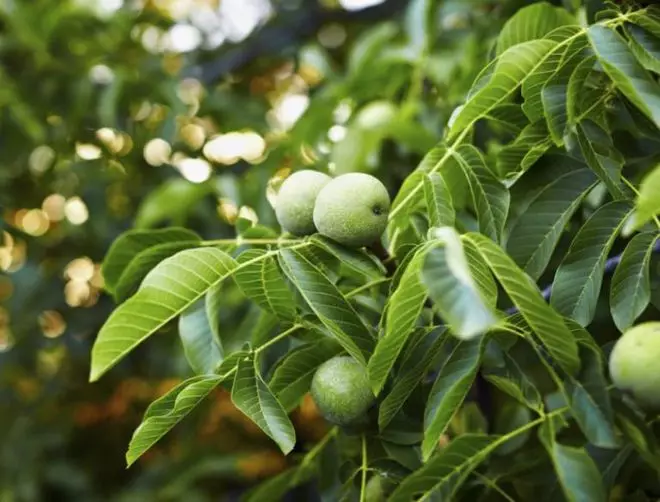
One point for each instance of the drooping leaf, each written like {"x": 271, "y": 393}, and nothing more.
{"x": 601, "y": 156}
{"x": 120, "y": 264}
{"x": 404, "y": 307}
{"x": 531, "y": 23}
{"x": 544, "y": 321}
{"x": 630, "y": 291}
{"x": 203, "y": 350}
{"x": 414, "y": 363}
{"x": 579, "y": 278}
{"x": 535, "y": 235}
{"x": 645, "y": 46}
{"x": 251, "y": 395}
{"x": 626, "y": 72}
{"x": 169, "y": 289}
{"x": 647, "y": 204}
{"x": 167, "y": 411}
{"x": 576, "y": 471}
{"x": 517, "y": 157}
{"x": 490, "y": 197}
{"x": 262, "y": 282}
{"x": 293, "y": 374}
{"x": 356, "y": 260}
{"x": 447, "y": 277}
{"x": 447, "y": 470}
{"x": 511, "y": 377}
{"x": 449, "y": 390}
{"x": 512, "y": 67}
{"x": 329, "y": 305}
{"x": 566, "y": 55}
{"x": 438, "y": 201}
{"x": 587, "y": 394}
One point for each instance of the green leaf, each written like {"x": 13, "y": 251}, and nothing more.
{"x": 601, "y": 156}
{"x": 447, "y": 469}
{"x": 512, "y": 377}
{"x": 169, "y": 289}
{"x": 625, "y": 71}
{"x": 203, "y": 350}
{"x": 172, "y": 200}
{"x": 356, "y": 260}
{"x": 579, "y": 278}
{"x": 294, "y": 372}
{"x": 406, "y": 201}
{"x": 587, "y": 394}
{"x": 251, "y": 395}
{"x": 132, "y": 246}
{"x": 517, "y": 157}
{"x": 489, "y": 197}
{"x": 512, "y": 67}
{"x": 647, "y": 205}
{"x": 447, "y": 277}
{"x": 449, "y": 390}
{"x": 534, "y": 236}
{"x": 543, "y": 320}
{"x": 403, "y": 309}
{"x": 167, "y": 411}
{"x": 630, "y": 291}
{"x": 576, "y": 471}
{"x": 645, "y": 46}
{"x": 262, "y": 282}
{"x": 568, "y": 53}
{"x": 584, "y": 97}
{"x": 329, "y": 305}
{"x": 425, "y": 346}
{"x": 531, "y": 23}
{"x": 438, "y": 201}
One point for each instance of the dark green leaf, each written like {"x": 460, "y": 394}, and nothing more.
{"x": 630, "y": 291}
{"x": 329, "y": 305}
{"x": 579, "y": 278}
{"x": 449, "y": 390}
{"x": 251, "y": 395}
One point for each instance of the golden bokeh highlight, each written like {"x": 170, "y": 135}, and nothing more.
{"x": 35, "y": 222}
{"x": 194, "y": 135}
{"x": 227, "y": 210}
{"x": 52, "y": 324}
{"x": 157, "y": 152}
{"x": 41, "y": 159}
{"x": 53, "y": 207}
{"x": 6, "y": 337}
{"x": 84, "y": 282}
{"x": 233, "y": 146}
{"x": 88, "y": 151}
{"x": 76, "y": 211}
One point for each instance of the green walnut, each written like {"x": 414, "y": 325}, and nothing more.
{"x": 634, "y": 364}
{"x": 294, "y": 207}
{"x": 352, "y": 209}
{"x": 340, "y": 389}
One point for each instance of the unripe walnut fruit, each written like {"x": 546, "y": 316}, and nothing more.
{"x": 341, "y": 391}
{"x": 352, "y": 209}
{"x": 634, "y": 364}
{"x": 294, "y": 208}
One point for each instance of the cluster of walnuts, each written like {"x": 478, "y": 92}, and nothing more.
{"x": 351, "y": 209}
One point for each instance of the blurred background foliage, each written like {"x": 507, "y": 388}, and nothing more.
{"x": 145, "y": 113}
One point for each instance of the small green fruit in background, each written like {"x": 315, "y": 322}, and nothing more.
{"x": 352, "y": 209}
{"x": 634, "y": 364}
{"x": 295, "y": 201}
{"x": 340, "y": 389}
